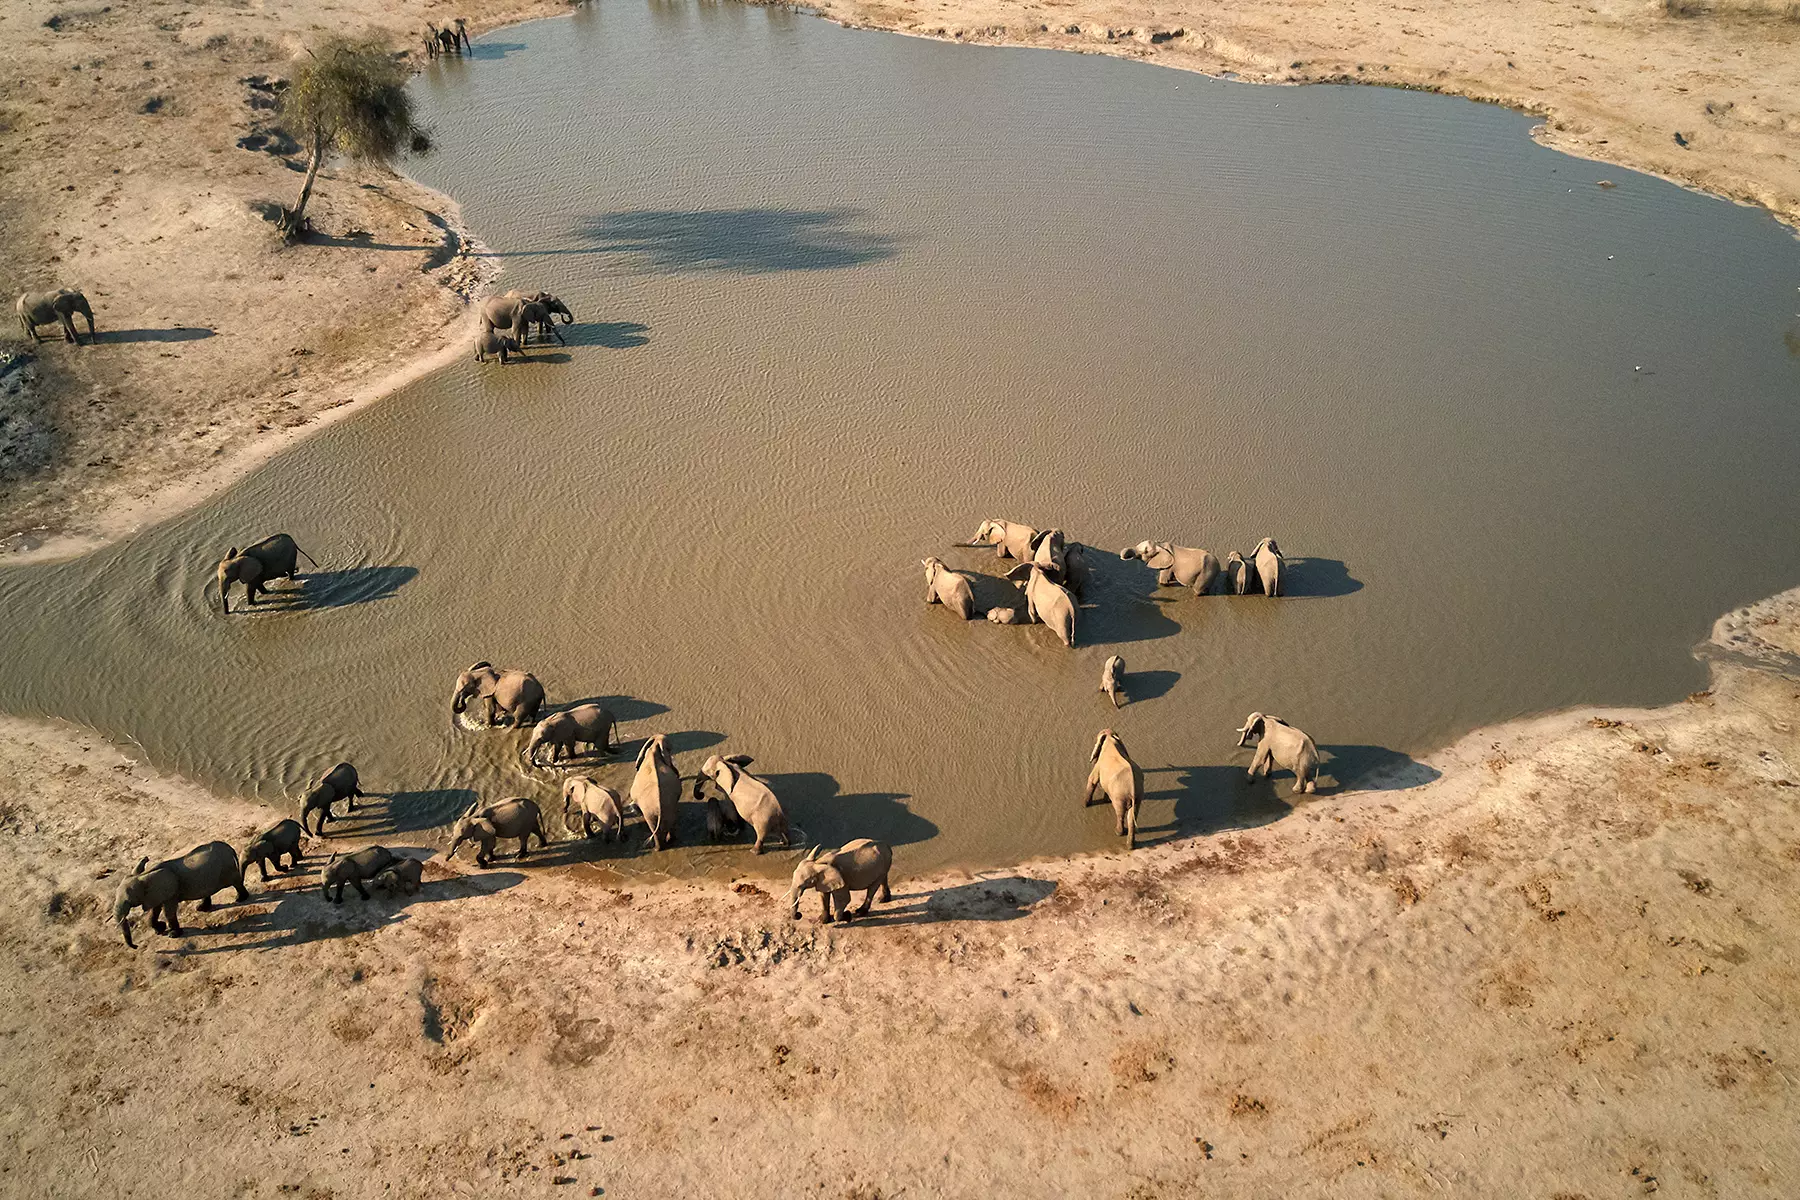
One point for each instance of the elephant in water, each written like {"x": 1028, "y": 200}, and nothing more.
{"x": 1269, "y": 565}
{"x": 744, "y": 798}
{"x": 947, "y": 587}
{"x": 517, "y": 693}
{"x": 270, "y": 559}
{"x": 1181, "y": 566}
{"x": 1112, "y": 679}
{"x": 516, "y": 818}
{"x": 862, "y": 865}
{"x": 552, "y": 307}
{"x": 47, "y": 308}
{"x": 584, "y": 725}
{"x": 656, "y": 790}
{"x": 1008, "y": 538}
{"x": 1008, "y": 616}
{"x": 1048, "y": 550}
{"x": 1283, "y": 746}
{"x": 490, "y": 341}
{"x": 587, "y": 804}
{"x": 1047, "y": 601}
{"x": 1116, "y": 778}
{"x": 1241, "y": 574}
{"x": 159, "y": 890}
{"x": 513, "y": 316}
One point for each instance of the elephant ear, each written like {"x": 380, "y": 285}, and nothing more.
{"x": 142, "y": 863}
{"x": 740, "y": 760}
{"x": 1022, "y": 571}
{"x": 831, "y": 879}
{"x": 649, "y": 744}
{"x": 813, "y": 854}
{"x": 1098, "y": 743}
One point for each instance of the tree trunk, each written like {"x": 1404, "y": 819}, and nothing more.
{"x": 292, "y": 223}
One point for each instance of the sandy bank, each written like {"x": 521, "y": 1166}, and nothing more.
{"x": 1566, "y": 967}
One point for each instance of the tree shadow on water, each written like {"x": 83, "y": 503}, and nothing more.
{"x": 743, "y": 241}
{"x": 823, "y": 815}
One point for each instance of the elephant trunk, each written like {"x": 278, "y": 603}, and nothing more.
{"x": 122, "y": 914}
{"x": 224, "y": 591}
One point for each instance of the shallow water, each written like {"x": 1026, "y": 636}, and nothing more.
{"x": 844, "y": 294}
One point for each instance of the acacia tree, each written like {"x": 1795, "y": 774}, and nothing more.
{"x": 348, "y": 97}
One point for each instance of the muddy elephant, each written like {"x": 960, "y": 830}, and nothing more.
{"x": 516, "y": 818}
{"x": 584, "y": 725}
{"x": 1008, "y": 538}
{"x": 1240, "y": 575}
{"x": 1114, "y": 777}
{"x": 1176, "y": 566}
{"x": 860, "y": 866}
{"x": 404, "y": 878}
{"x": 339, "y": 783}
{"x": 552, "y": 307}
{"x": 589, "y": 807}
{"x": 1281, "y": 745}
{"x": 159, "y": 890}
{"x": 273, "y": 558}
{"x": 354, "y": 869}
{"x": 744, "y": 797}
{"x": 1112, "y": 679}
{"x": 492, "y": 343}
{"x": 48, "y": 308}
{"x": 656, "y": 790}
{"x": 501, "y": 689}
{"x": 283, "y": 837}
{"x": 949, "y": 588}
{"x": 1269, "y": 566}
{"x": 1046, "y": 600}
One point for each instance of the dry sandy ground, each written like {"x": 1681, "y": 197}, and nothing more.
{"x": 1566, "y": 968}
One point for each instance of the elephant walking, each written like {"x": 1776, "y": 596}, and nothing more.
{"x": 516, "y": 818}
{"x": 1047, "y": 601}
{"x": 744, "y": 797}
{"x": 354, "y": 869}
{"x": 552, "y": 307}
{"x": 283, "y": 837}
{"x": 587, "y": 804}
{"x": 862, "y": 865}
{"x": 159, "y": 890}
{"x": 339, "y": 783}
{"x": 1116, "y": 778}
{"x": 509, "y": 690}
{"x": 1281, "y": 745}
{"x": 1008, "y": 538}
{"x": 656, "y": 790}
{"x": 48, "y": 308}
{"x": 273, "y": 558}
{"x": 1112, "y": 679}
{"x": 584, "y": 725}
{"x": 1182, "y": 566}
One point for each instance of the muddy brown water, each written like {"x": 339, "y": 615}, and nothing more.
{"x": 844, "y": 294}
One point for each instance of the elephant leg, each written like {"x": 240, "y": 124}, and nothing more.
{"x": 491, "y": 708}
{"x": 243, "y": 893}
{"x": 1259, "y": 765}
{"x": 262, "y": 864}
{"x": 174, "y": 916}
{"x": 868, "y": 902}
{"x": 206, "y": 904}
{"x": 360, "y": 889}
{"x": 758, "y": 847}
{"x": 1165, "y": 577}
{"x": 1131, "y": 827}
{"x": 156, "y": 921}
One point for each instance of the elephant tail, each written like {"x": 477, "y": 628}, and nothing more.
{"x": 307, "y": 557}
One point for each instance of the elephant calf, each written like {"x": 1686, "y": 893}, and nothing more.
{"x": 590, "y": 806}
{"x": 1007, "y": 616}
{"x": 516, "y": 818}
{"x": 862, "y": 865}
{"x": 949, "y": 588}
{"x": 284, "y": 837}
{"x": 339, "y": 783}
{"x": 366, "y": 863}
{"x": 1116, "y": 778}
{"x": 48, "y": 308}
{"x": 273, "y": 558}
{"x": 490, "y": 341}
{"x": 1241, "y": 575}
{"x": 1112, "y": 679}
{"x": 1283, "y": 746}
{"x": 403, "y": 878}
{"x": 159, "y": 890}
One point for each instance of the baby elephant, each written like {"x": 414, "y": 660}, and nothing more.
{"x": 861, "y": 865}
{"x": 1112, "y": 678}
{"x": 366, "y": 863}
{"x": 491, "y": 341}
{"x": 949, "y": 588}
{"x": 284, "y": 837}
{"x": 589, "y": 807}
{"x": 743, "y": 797}
{"x": 1116, "y": 778}
{"x": 515, "y": 818}
{"x": 339, "y": 783}
{"x": 47, "y": 308}
{"x": 160, "y": 890}
{"x": 404, "y": 878}
{"x": 1283, "y": 746}
{"x": 1008, "y": 616}
{"x": 1240, "y": 575}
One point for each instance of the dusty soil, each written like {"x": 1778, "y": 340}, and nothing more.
{"x": 1565, "y": 968}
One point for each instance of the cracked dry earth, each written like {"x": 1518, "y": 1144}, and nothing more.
{"x": 1565, "y": 968}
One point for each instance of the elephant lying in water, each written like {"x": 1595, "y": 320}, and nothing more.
{"x": 159, "y": 890}
{"x": 515, "y": 818}
{"x": 276, "y": 557}
{"x": 949, "y": 588}
{"x": 47, "y": 308}
{"x": 1182, "y": 566}
{"x": 1116, "y": 778}
{"x": 584, "y": 725}
{"x": 744, "y": 797}
{"x": 862, "y": 865}
{"x": 515, "y": 692}
{"x": 1283, "y": 746}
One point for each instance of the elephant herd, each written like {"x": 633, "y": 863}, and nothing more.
{"x": 446, "y": 40}
{"x": 507, "y": 323}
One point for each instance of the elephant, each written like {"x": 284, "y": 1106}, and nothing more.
{"x": 514, "y": 315}
{"x": 283, "y": 837}
{"x": 1181, "y": 566}
{"x": 587, "y": 804}
{"x": 339, "y": 783}
{"x": 1048, "y": 550}
{"x": 1008, "y": 616}
{"x": 46, "y": 308}
{"x": 584, "y": 725}
{"x": 744, "y": 798}
{"x": 947, "y": 587}
{"x": 273, "y": 558}
{"x": 1077, "y": 573}
{"x": 1281, "y": 745}
{"x": 552, "y": 307}
{"x": 515, "y": 818}
{"x": 405, "y": 877}
{"x": 1269, "y": 565}
{"x": 159, "y": 890}
{"x": 1008, "y": 538}
{"x": 656, "y": 790}
{"x": 1116, "y": 778}
{"x": 490, "y": 341}
{"x": 861, "y": 865}
{"x": 1242, "y": 575}
{"x": 515, "y": 692}
{"x": 1112, "y": 678}
{"x": 718, "y": 825}
{"x": 446, "y": 40}
{"x": 1047, "y": 601}
{"x": 366, "y": 863}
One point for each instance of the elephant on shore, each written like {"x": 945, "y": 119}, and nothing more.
{"x": 861, "y": 865}
{"x": 516, "y": 818}
{"x": 1047, "y": 601}
{"x": 1269, "y": 566}
{"x": 283, "y": 837}
{"x": 1241, "y": 575}
{"x": 1008, "y": 538}
{"x": 656, "y": 790}
{"x": 403, "y": 878}
{"x": 1281, "y": 745}
{"x": 1114, "y": 777}
{"x": 947, "y": 587}
{"x": 584, "y": 725}
{"x": 744, "y": 797}
{"x": 1112, "y": 679}
{"x": 273, "y": 558}
{"x": 1179, "y": 566}
{"x": 552, "y": 307}
{"x": 48, "y": 308}
{"x": 587, "y": 804}
{"x": 354, "y": 869}
{"x": 516, "y": 693}
{"x": 339, "y": 783}
{"x": 159, "y": 890}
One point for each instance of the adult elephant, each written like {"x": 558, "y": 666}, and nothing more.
{"x": 1115, "y": 778}
{"x": 1176, "y": 566}
{"x": 1269, "y": 566}
{"x": 513, "y": 316}
{"x": 1010, "y": 539}
{"x": 515, "y": 692}
{"x": 745, "y": 797}
{"x": 159, "y": 890}
{"x": 47, "y": 308}
{"x": 584, "y": 725}
{"x": 1046, "y": 600}
{"x": 270, "y": 559}
{"x": 656, "y": 790}
{"x": 553, "y": 307}
{"x": 1279, "y": 744}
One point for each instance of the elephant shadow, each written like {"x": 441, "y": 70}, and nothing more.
{"x": 622, "y": 708}
{"x": 1373, "y": 769}
{"x": 1121, "y": 604}
{"x": 992, "y": 591}
{"x": 493, "y": 50}
{"x": 1005, "y": 898}
{"x": 402, "y": 812}
{"x": 301, "y": 914}
{"x": 822, "y": 814}
{"x": 538, "y": 354}
{"x": 179, "y": 334}
{"x": 336, "y": 589}
{"x": 1321, "y": 577}
{"x": 1148, "y": 685}
{"x": 609, "y": 335}
{"x": 1212, "y": 799}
